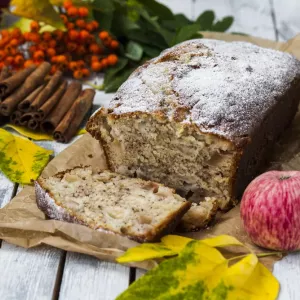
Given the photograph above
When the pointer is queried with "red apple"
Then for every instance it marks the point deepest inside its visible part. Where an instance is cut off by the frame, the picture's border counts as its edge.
(270, 210)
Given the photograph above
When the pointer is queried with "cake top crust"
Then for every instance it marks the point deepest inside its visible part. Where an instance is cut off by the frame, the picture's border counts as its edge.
(225, 88)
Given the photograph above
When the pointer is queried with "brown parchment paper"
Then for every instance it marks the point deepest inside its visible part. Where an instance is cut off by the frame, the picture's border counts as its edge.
(23, 224)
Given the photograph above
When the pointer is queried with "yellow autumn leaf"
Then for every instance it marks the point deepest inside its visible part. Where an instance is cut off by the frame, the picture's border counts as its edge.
(222, 241)
(39, 10)
(20, 159)
(23, 24)
(175, 242)
(36, 136)
(202, 272)
(251, 280)
(144, 252)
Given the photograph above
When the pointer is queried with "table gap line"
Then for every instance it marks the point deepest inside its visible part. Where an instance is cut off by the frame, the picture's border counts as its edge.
(59, 276)
(132, 276)
(273, 15)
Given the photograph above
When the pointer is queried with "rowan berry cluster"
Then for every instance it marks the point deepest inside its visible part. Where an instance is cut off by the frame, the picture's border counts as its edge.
(78, 50)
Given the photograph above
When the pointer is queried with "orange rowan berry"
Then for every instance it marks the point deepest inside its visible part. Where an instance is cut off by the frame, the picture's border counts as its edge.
(10, 50)
(95, 24)
(38, 55)
(103, 35)
(80, 64)
(104, 63)
(28, 63)
(94, 48)
(83, 12)
(83, 35)
(2, 54)
(34, 26)
(53, 70)
(52, 43)
(32, 49)
(34, 37)
(1, 65)
(89, 27)
(85, 72)
(61, 59)
(43, 46)
(107, 42)
(54, 59)
(5, 33)
(114, 45)
(64, 18)
(77, 74)
(51, 52)
(73, 65)
(38, 61)
(71, 47)
(19, 60)
(47, 36)
(80, 50)
(112, 59)
(58, 34)
(72, 11)
(70, 26)
(96, 66)
(73, 35)
(14, 42)
(16, 33)
(94, 58)
(67, 4)
(9, 60)
(80, 23)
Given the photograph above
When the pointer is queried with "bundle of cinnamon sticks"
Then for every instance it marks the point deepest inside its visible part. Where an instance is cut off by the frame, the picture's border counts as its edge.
(45, 103)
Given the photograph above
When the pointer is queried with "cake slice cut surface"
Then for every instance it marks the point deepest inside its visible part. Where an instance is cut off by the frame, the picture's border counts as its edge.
(141, 210)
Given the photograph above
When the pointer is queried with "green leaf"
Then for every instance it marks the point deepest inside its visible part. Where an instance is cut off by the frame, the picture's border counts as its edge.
(186, 33)
(113, 71)
(20, 159)
(103, 5)
(117, 81)
(151, 51)
(122, 25)
(104, 19)
(223, 25)
(158, 9)
(134, 51)
(206, 20)
(23, 24)
(39, 10)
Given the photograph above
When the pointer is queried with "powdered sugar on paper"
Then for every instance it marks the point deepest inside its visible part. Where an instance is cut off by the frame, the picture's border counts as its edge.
(227, 87)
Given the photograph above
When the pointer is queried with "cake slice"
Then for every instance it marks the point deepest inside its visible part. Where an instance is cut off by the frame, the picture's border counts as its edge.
(141, 210)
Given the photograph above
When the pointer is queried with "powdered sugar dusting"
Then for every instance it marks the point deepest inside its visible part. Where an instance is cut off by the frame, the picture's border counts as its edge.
(228, 88)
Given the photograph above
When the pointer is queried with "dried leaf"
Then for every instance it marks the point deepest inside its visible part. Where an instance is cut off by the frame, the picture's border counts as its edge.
(39, 10)
(20, 159)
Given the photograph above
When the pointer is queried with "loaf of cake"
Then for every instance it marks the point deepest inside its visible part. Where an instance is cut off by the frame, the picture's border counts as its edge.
(141, 210)
(200, 118)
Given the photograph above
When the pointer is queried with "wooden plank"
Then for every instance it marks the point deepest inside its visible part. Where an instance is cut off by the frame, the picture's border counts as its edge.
(180, 6)
(287, 18)
(250, 17)
(28, 274)
(87, 278)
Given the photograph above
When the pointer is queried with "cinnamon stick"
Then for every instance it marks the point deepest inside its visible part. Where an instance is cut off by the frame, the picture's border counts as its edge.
(33, 124)
(31, 83)
(15, 117)
(57, 114)
(69, 125)
(5, 73)
(24, 106)
(47, 91)
(24, 120)
(52, 101)
(11, 83)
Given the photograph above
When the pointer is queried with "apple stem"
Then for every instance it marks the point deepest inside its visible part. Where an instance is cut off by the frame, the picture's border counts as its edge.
(284, 177)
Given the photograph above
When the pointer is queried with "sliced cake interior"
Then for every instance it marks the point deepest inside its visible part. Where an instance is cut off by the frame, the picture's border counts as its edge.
(141, 210)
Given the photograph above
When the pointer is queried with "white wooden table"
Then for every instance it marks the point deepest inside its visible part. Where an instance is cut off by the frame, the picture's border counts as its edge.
(47, 273)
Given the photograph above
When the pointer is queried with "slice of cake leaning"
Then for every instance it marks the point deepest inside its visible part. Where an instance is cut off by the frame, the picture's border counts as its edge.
(142, 210)
(200, 118)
